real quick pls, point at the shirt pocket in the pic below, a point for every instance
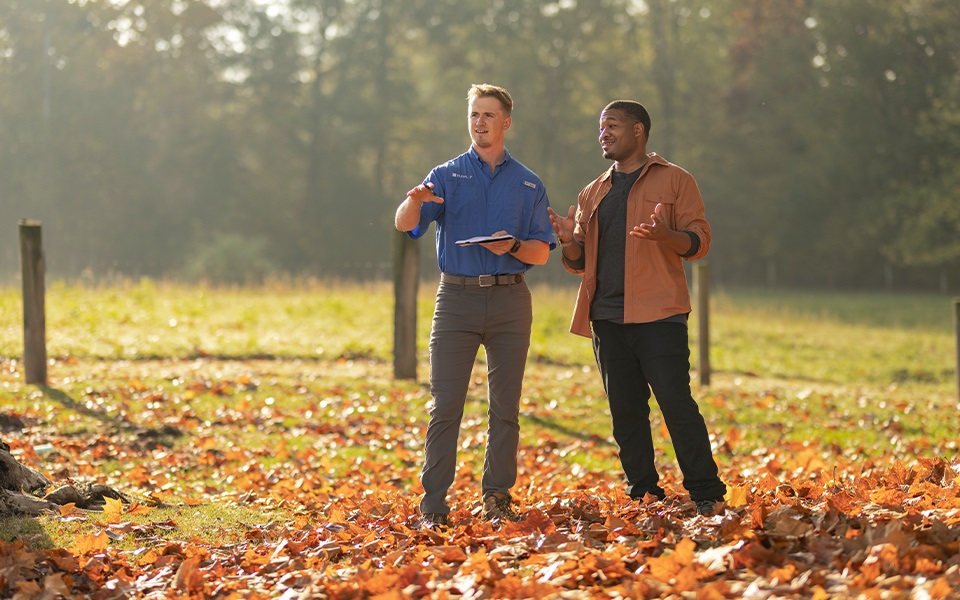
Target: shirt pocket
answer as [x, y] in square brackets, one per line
[667, 210]
[513, 210]
[463, 198]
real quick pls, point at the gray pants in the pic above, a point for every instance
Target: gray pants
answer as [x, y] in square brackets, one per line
[465, 317]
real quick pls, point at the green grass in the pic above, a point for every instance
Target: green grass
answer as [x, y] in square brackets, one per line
[222, 523]
[139, 320]
[286, 391]
[877, 339]
[829, 337]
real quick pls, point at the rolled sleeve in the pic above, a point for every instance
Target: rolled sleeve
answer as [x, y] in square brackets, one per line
[690, 216]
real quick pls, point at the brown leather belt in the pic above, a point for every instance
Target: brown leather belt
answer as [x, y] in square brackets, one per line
[482, 280]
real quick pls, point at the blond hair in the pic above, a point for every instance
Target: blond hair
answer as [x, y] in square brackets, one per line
[479, 90]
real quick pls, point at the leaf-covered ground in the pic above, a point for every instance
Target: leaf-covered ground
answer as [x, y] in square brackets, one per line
[834, 419]
[298, 479]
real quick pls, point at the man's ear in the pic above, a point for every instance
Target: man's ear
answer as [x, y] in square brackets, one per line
[638, 129]
[507, 122]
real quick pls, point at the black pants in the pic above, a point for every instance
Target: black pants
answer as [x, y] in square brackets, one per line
[633, 359]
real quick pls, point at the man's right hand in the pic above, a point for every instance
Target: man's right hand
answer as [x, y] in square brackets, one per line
[424, 193]
[408, 213]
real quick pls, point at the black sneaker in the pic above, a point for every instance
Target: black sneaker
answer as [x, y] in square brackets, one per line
[433, 521]
[498, 508]
[708, 507]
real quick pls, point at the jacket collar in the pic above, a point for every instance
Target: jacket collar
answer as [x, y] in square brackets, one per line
[652, 159]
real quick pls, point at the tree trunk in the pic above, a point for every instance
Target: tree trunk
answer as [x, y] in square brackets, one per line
[18, 481]
[16, 477]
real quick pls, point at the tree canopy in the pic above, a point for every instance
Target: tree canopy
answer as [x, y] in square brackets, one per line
[232, 139]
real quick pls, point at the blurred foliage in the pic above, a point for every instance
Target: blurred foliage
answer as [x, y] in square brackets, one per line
[230, 258]
[823, 134]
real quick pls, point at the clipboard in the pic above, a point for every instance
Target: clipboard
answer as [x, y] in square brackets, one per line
[483, 239]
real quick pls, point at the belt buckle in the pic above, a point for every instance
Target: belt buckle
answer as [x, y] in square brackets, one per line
[489, 279]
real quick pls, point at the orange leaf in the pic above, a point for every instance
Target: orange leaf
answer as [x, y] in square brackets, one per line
[820, 594]
[62, 558]
[113, 510]
[29, 588]
[888, 497]
[667, 566]
[70, 509]
[449, 553]
[189, 576]
[736, 496]
[614, 522]
[136, 508]
[941, 588]
[686, 580]
[91, 544]
[54, 586]
[784, 574]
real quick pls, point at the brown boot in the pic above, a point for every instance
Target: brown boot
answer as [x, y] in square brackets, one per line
[499, 508]
[435, 521]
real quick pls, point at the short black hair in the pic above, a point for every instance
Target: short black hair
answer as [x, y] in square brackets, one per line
[635, 110]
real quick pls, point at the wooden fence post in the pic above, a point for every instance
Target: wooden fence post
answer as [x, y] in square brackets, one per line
[703, 319]
[406, 278]
[34, 319]
[956, 326]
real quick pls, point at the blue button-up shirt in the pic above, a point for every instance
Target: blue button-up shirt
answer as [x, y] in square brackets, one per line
[512, 199]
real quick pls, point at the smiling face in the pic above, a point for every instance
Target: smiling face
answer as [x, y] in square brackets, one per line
[621, 136]
[487, 122]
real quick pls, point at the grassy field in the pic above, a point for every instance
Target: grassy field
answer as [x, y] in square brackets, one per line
[840, 338]
[229, 411]
[802, 361]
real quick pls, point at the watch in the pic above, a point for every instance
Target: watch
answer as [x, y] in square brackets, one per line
[516, 246]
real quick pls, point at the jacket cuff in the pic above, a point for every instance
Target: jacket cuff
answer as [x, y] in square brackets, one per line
[694, 244]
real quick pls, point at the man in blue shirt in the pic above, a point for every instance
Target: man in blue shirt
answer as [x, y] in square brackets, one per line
[482, 299]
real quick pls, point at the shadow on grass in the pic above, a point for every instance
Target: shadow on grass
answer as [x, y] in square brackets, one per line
[567, 431]
[27, 529]
[160, 435]
[67, 402]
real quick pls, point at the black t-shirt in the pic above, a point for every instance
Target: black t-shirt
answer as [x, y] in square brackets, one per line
[612, 241]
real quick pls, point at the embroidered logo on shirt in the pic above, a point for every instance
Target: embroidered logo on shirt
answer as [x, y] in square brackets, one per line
[461, 176]
[530, 185]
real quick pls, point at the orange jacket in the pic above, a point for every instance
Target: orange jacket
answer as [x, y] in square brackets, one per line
[655, 286]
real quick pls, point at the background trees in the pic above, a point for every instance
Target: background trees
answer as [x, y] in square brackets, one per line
[236, 138]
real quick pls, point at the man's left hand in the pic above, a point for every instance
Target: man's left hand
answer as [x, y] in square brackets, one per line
[656, 230]
[499, 248]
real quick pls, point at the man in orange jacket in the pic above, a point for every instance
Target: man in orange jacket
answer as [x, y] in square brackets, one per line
[628, 237]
